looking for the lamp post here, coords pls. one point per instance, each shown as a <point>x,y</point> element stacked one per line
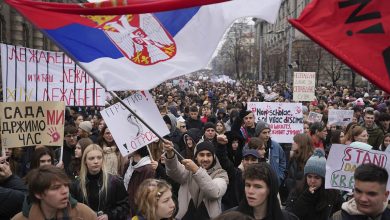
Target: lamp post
<point>289,67</point>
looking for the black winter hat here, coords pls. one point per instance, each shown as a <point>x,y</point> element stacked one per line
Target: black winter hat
<point>208,125</point>
<point>206,145</point>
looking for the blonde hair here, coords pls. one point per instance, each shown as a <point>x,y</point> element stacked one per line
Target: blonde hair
<point>147,196</point>
<point>84,172</point>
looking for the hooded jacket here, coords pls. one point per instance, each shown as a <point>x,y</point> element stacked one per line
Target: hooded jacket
<point>199,192</point>
<point>174,133</point>
<point>349,211</point>
<point>74,210</point>
<point>195,135</point>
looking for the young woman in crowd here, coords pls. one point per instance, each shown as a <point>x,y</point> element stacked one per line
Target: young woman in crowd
<point>112,157</point>
<point>188,143</point>
<point>75,164</point>
<point>154,201</point>
<point>356,133</point>
<point>309,199</point>
<point>220,128</point>
<point>103,192</point>
<point>301,151</point>
<point>78,118</point>
<point>261,189</point>
<point>42,156</point>
<point>385,146</point>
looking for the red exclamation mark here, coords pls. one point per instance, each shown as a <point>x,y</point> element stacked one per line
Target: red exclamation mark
<point>143,93</point>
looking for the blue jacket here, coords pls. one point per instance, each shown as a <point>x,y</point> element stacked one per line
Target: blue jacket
<point>277,160</point>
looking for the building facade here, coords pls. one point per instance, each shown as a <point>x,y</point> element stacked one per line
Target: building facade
<point>284,50</point>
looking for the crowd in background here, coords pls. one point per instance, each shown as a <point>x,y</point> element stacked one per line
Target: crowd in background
<point>227,162</point>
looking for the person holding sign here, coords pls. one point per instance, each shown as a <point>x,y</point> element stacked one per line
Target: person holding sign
<point>370,195</point>
<point>310,200</point>
<point>203,182</point>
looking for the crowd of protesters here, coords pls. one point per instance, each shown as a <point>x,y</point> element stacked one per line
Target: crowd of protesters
<point>229,166</point>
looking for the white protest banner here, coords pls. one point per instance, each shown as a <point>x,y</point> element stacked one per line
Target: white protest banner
<point>261,88</point>
<point>343,160</point>
<point>314,117</point>
<point>38,75</point>
<point>128,132</point>
<point>304,86</point>
<point>284,119</point>
<point>340,117</point>
<point>32,123</point>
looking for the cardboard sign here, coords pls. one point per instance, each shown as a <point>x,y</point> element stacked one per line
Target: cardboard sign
<point>340,117</point>
<point>128,131</point>
<point>343,160</point>
<point>38,75</point>
<point>314,117</point>
<point>304,86</point>
<point>32,123</point>
<point>284,119</point>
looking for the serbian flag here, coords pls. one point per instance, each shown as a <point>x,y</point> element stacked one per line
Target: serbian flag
<point>138,51</point>
<point>356,32</point>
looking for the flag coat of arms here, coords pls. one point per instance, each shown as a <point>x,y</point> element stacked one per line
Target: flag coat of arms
<point>139,51</point>
<point>356,32</point>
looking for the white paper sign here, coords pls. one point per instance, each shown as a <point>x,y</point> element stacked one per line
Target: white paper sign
<point>340,117</point>
<point>342,162</point>
<point>304,86</point>
<point>130,133</point>
<point>284,119</point>
<point>38,75</point>
<point>261,88</point>
<point>314,117</point>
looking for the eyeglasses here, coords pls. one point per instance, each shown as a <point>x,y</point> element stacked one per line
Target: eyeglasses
<point>71,136</point>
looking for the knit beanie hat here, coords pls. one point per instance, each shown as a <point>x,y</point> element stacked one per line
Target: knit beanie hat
<point>205,145</point>
<point>208,125</point>
<point>86,126</point>
<point>260,126</point>
<point>316,164</point>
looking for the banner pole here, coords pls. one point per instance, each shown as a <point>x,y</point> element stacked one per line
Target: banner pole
<point>143,122</point>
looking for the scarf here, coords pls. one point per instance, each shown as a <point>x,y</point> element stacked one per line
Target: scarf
<point>129,172</point>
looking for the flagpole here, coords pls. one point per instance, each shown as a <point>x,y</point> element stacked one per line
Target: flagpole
<point>143,122</point>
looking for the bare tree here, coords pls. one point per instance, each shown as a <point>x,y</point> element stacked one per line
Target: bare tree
<point>333,68</point>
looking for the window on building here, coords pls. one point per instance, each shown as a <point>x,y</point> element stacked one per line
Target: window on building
<point>26,34</point>
<point>2,30</point>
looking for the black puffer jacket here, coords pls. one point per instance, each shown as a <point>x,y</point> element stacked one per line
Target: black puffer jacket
<point>115,205</point>
<point>12,192</point>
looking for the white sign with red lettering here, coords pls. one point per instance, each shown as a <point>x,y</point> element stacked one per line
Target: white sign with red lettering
<point>285,119</point>
<point>304,86</point>
<point>129,132</point>
<point>31,75</point>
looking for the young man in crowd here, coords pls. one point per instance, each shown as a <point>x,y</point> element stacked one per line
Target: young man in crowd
<point>202,182</point>
<point>49,193</point>
<point>193,121</point>
<point>370,195</point>
<point>274,153</point>
<point>235,191</point>
<point>318,134</point>
<point>375,133</point>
